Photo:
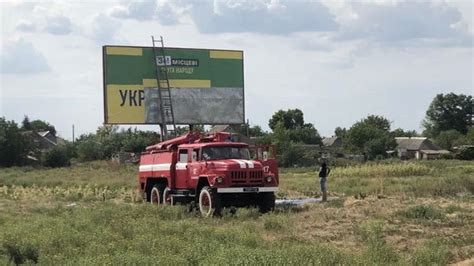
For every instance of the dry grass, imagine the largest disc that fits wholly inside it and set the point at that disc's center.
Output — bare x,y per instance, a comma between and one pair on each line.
90,214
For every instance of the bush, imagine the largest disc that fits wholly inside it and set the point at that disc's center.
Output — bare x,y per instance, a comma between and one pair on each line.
447,156
19,251
57,157
108,141
466,154
425,212
377,252
432,253
89,149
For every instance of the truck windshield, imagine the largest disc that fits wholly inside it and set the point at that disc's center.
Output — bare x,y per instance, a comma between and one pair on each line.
225,152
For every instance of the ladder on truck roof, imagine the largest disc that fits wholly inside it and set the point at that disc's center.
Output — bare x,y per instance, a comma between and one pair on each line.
164,94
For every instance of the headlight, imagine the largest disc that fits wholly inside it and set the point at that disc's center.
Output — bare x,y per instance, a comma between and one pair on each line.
219,180
269,178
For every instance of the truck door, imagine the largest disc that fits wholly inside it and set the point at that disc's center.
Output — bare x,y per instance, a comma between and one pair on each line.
266,154
194,168
182,168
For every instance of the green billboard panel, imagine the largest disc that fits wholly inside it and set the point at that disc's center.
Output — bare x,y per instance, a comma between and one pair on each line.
207,86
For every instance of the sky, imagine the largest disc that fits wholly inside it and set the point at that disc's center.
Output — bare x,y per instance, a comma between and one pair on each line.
337,61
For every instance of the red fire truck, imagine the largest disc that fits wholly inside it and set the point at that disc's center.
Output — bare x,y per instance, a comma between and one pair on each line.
211,171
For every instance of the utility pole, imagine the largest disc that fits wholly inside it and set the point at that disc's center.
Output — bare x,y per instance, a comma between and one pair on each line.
72,134
248,128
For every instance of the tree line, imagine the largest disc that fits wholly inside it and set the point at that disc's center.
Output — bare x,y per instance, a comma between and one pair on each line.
448,122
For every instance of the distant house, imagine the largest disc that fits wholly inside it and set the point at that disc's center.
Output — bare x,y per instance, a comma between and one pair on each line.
49,136
225,128
419,148
334,141
234,129
44,140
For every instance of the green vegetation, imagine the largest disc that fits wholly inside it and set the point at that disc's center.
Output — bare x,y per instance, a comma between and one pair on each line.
426,212
449,112
427,178
13,146
370,136
448,123
90,213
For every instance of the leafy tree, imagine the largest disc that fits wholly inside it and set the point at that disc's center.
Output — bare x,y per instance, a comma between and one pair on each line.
14,147
40,125
448,111
253,131
107,130
184,129
287,151
402,133
340,132
370,136
306,134
297,130
137,141
447,139
377,122
289,130
26,124
108,140
467,139
89,148
291,119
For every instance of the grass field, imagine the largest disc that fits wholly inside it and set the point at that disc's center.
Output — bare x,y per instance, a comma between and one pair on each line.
395,213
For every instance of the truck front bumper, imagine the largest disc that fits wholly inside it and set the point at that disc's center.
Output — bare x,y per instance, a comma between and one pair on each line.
246,189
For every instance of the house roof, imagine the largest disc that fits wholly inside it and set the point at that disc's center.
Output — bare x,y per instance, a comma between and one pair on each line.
43,133
416,144
329,141
233,130
39,135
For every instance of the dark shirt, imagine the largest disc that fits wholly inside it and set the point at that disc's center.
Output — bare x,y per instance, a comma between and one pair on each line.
324,171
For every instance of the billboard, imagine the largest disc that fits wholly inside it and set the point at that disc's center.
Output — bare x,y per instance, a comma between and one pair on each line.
206,86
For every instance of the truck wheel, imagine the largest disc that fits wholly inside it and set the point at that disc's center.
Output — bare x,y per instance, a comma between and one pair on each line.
267,202
209,202
156,195
167,198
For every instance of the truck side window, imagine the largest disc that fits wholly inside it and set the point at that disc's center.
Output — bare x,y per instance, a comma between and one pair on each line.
183,156
195,155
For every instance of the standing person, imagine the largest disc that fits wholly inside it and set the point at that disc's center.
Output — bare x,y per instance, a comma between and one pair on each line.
323,174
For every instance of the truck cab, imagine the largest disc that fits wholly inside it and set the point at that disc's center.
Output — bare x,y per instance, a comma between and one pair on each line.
212,172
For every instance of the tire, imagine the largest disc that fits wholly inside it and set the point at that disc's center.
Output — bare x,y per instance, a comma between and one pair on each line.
156,195
167,198
266,202
209,202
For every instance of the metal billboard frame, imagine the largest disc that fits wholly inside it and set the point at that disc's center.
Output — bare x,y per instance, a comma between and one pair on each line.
104,83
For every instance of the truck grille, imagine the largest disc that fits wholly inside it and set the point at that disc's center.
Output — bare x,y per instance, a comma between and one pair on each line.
246,178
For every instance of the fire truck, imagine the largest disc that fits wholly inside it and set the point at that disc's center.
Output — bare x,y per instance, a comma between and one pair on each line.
211,172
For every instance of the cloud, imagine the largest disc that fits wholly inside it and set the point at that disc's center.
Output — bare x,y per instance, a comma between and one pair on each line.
165,12
26,26
20,57
168,13
268,17
421,23
142,10
58,25
104,29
